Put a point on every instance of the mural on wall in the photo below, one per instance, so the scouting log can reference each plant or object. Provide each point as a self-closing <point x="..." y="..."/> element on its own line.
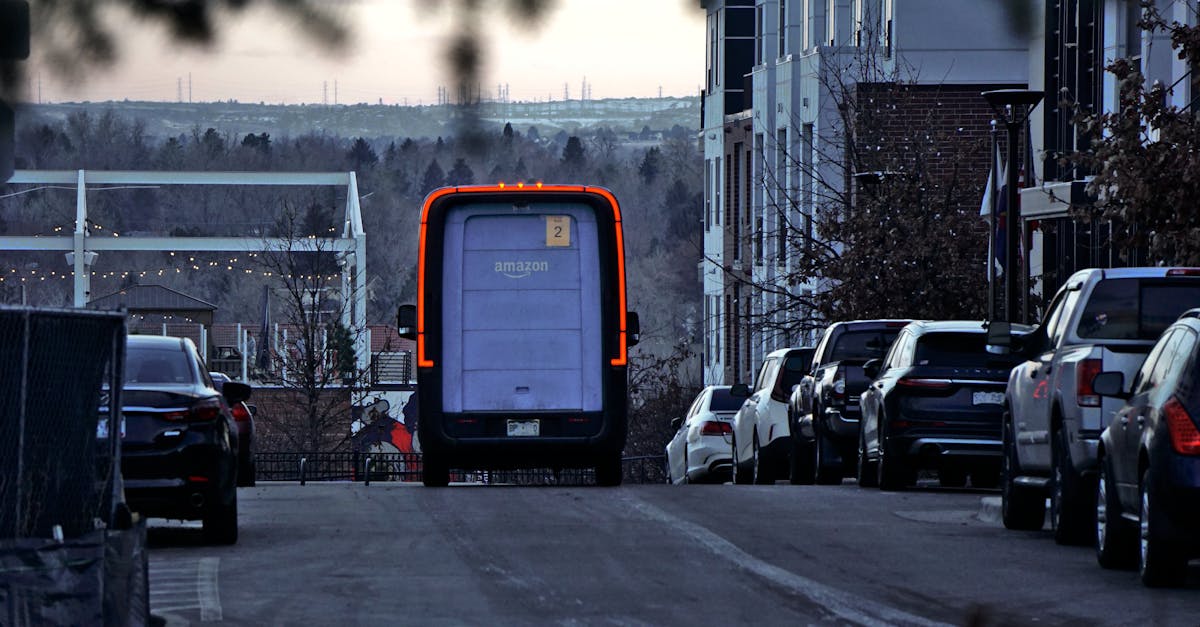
<point x="376" y="431"/>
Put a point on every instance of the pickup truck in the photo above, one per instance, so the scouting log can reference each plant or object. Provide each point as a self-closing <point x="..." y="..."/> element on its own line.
<point x="823" y="410"/>
<point x="1101" y="320"/>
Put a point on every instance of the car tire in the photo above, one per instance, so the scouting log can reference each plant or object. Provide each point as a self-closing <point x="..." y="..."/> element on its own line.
<point x="220" y="522"/>
<point x="761" y="465"/>
<point x="435" y="472"/>
<point x="1116" y="538"/>
<point x="893" y="472"/>
<point x="868" y="475"/>
<point x="742" y="471"/>
<point x="686" y="478"/>
<point x="246" y="475"/>
<point x="800" y="463"/>
<point x="825" y="474"/>
<point x="1021" y="508"/>
<point x="1161" y="563"/>
<point x="1072" y="515"/>
<point x="608" y="471"/>
<point x="951" y="477"/>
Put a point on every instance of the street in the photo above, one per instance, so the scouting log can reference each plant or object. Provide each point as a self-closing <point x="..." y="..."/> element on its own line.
<point x="340" y="553"/>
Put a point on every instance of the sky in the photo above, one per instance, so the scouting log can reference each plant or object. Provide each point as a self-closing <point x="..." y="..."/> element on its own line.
<point x="623" y="48"/>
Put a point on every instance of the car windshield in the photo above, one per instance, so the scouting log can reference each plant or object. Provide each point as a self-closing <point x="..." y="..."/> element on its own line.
<point x="959" y="350"/>
<point x="722" y="400"/>
<point x="1136" y="309"/>
<point x="156" y="366"/>
<point x="863" y="344"/>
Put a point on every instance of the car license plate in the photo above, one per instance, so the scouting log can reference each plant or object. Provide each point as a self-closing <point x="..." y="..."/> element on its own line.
<point x="988" y="398"/>
<point x="102" y="428"/>
<point x="523" y="428"/>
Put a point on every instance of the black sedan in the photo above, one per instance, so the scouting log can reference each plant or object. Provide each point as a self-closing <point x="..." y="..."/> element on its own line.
<point x="1148" y="496"/>
<point x="243" y="417"/>
<point x="936" y="403"/>
<point x="178" y="439"/>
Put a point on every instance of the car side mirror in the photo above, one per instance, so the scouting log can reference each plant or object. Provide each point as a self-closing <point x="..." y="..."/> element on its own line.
<point x="253" y="409"/>
<point x="406" y="321"/>
<point x="999" y="337"/>
<point x="235" y="392"/>
<point x="740" y="390"/>
<point x="1110" y="384"/>
<point x="633" y="328"/>
<point x="871" y="368"/>
<point x="676" y="423"/>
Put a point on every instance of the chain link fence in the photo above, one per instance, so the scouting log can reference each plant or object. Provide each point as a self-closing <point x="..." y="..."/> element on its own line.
<point x="56" y="475"/>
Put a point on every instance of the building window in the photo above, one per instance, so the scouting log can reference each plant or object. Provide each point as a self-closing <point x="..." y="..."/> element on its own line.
<point x="806" y="182"/>
<point x="733" y="170"/>
<point x="708" y="202"/>
<point x="782" y="26"/>
<point x="717" y="206"/>
<point x="760" y="40"/>
<point x="730" y="339"/>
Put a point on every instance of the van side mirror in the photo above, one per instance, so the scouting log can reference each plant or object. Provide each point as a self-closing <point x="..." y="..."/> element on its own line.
<point x="633" y="328"/>
<point x="871" y="368"/>
<point x="406" y="321"/>
<point x="1110" y="384"/>
<point x="740" y="390"/>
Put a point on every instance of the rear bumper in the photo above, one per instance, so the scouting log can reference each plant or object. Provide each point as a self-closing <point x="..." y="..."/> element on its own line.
<point x="938" y="448"/>
<point x="711" y="457"/>
<point x="178" y="483"/>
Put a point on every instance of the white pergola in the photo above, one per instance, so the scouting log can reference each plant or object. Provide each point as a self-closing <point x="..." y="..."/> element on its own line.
<point x="81" y="247"/>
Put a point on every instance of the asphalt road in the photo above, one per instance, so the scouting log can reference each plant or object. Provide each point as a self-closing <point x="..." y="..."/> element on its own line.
<point x="387" y="554"/>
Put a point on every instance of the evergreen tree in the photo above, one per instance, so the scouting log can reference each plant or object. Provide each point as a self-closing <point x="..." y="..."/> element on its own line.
<point x="651" y="165"/>
<point x="460" y="174"/>
<point x="361" y="154"/>
<point x="434" y="177"/>
<point x="573" y="154"/>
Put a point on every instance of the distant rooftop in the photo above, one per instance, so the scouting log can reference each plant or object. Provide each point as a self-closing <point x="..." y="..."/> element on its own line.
<point x="151" y="298"/>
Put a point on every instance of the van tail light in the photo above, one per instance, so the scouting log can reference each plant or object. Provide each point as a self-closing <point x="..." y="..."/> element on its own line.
<point x="1085" y="371"/>
<point x="240" y="413"/>
<point x="204" y="411"/>
<point x="1185" y="438"/>
<point x="710" y="427"/>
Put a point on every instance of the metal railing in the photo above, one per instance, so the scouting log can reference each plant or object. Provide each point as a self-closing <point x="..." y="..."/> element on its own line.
<point x="370" y="466"/>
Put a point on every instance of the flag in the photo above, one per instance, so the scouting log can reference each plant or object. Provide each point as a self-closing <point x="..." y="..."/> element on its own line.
<point x="1001" y="236"/>
<point x="994" y="201"/>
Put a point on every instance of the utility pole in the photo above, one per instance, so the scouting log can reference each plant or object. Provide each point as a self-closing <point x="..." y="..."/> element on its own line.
<point x="335" y="94"/>
<point x="179" y="89"/>
<point x="325" y="93"/>
<point x="189" y="88"/>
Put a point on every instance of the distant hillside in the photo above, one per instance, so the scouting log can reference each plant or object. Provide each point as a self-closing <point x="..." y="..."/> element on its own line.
<point x="164" y="119"/>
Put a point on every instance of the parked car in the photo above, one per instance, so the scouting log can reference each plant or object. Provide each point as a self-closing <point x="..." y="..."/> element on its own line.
<point x="243" y="417"/>
<point x="936" y="403"/>
<point x="700" y="452"/>
<point x="1149" y="461"/>
<point x="1100" y="320"/>
<point x="762" y="439"/>
<point x="178" y="439"/>
<point x="824" y="409"/>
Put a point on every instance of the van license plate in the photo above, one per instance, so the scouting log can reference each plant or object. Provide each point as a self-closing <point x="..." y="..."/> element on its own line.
<point x="523" y="428"/>
<point x="988" y="398"/>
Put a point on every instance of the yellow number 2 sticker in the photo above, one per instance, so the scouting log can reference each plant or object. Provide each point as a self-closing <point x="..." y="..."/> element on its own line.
<point x="558" y="230"/>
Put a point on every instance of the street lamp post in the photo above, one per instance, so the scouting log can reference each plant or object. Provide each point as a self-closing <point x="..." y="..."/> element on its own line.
<point x="1012" y="107"/>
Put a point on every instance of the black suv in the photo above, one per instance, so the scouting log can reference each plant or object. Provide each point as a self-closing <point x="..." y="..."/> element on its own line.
<point x="178" y="438"/>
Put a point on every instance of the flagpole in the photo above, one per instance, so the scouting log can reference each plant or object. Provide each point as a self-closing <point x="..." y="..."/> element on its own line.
<point x="993" y="195"/>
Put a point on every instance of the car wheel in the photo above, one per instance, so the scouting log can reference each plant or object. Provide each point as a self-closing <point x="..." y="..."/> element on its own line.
<point x="435" y="473"/>
<point x="1071" y="515"/>
<point x="1115" y="537"/>
<point x="1020" y="507"/>
<point x="868" y="476"/>
<point x="741" y="470"/>
<point x="686" y="478"/>
<point x="800" y="463"/>
<point x="246" y="475"/>
<point x="762" y="467"/>
<point x="893" y="475"/>
<point x="825" y="473"/>
<point x="220" y="522"/>
<point x="608" y="471"/>
<point x="951" y="477"/>
<point x="1161" y="563"/>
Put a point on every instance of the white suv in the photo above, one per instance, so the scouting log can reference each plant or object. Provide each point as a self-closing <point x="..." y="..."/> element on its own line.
<point x="762" y="439"/>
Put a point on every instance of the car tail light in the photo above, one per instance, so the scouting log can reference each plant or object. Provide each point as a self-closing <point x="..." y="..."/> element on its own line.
<point x="240" y="413"/>
<point x="1085" y="371"/>
<point x="1185" y="438"/>
<point x="1183" y="272"/>
<point x="204" y="411"/>
<point x="710" y="427"/>
<point x="839" y="384"/>
<point x="924" y="384"/>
